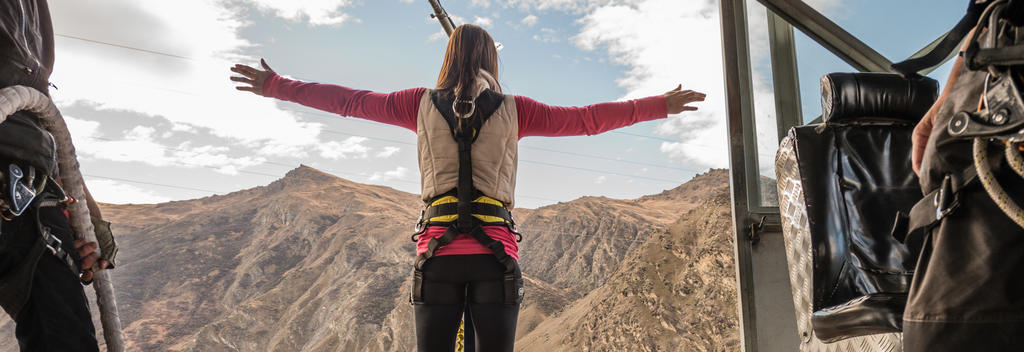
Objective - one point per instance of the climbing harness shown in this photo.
(18, 98)
(465, 209)
(443, 211)
(999, 117)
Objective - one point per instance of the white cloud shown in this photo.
(109, 191)
(439, 35)
(388, 152)
(634, 33)
(139, 144)
(547, 35)
(529, 20)
(459, 20)
(636, 36)
(397, 174)
(316, 12)
(563, 5)
(600, 179)
(190, 92)
(350, 147)
(480, 3)
(482, 21)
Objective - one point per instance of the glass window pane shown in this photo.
(896, 29)
(764, 103)
(814, 61)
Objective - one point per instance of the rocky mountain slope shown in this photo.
(313, 262)
(674, 292)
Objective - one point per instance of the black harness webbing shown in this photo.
(944, 48)
(465, 130)
(439, 210)
(933, 207)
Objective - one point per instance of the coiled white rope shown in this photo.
(17, 98)
(991, 185)
(1014, 158)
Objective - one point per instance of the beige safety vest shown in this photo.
(495, 153)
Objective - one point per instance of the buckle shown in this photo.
(421, 222)
(52, 242)
(421, 225)
(945, 200)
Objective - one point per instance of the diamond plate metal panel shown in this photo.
(797, 235)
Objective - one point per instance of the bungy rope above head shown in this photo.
(484, 80)
(17, 98)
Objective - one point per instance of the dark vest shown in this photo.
(26, 58)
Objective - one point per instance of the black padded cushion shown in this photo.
(855, 178)
(846, 97)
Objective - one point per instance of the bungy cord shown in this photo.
(17, 98)
(989, 182)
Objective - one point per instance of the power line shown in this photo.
(704, 146)
(123, 46)
(128, 47)
(408, 143)
(182, 163)
(584, 155)
(270, 162)
(369, 137)
(153, 184)
(607, 158)
(600, 171)
(275, 176)
(338, 117)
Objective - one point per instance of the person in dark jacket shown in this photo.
(42, 266)
(966, 294)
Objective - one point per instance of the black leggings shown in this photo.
(449, 281)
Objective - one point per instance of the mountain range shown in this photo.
(313, 262)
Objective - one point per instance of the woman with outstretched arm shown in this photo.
(467, 132)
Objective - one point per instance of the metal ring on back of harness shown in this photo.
(18, 98)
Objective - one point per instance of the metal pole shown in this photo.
(829, 34)
(785, 76)
(442, 16)
(736, 61)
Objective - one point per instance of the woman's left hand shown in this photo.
(677, 99)
(254, 77)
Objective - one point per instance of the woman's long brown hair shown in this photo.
(470, 49)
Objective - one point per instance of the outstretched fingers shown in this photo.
(678, 99)
(242, 79)
(252, 78)
(244, 70)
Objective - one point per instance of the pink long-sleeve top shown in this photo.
(401, 109)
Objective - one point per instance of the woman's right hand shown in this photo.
(253, 79)
(677, 99)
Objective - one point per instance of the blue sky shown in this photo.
(163, 123)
